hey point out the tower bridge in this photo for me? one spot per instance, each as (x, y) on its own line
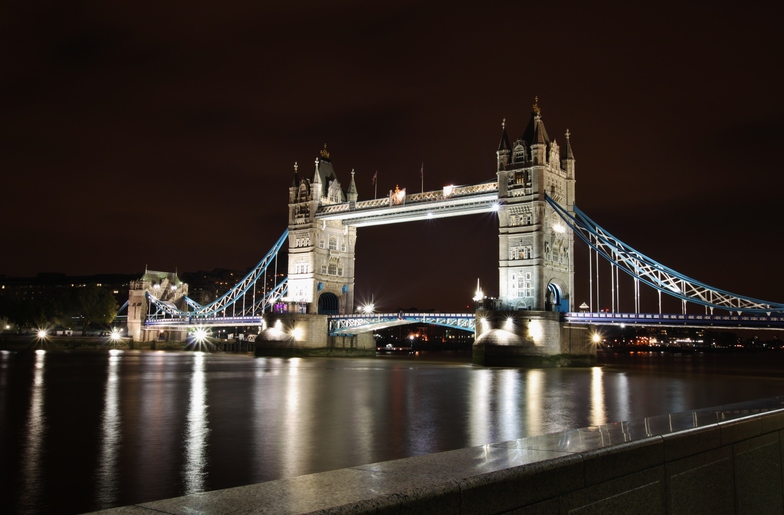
(533, 319)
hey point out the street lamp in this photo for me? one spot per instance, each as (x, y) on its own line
(114, 337)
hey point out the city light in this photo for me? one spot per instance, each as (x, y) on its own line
(297, 333)
(478, 295)
(559, 228)
(115, 335)
(200, 334)
(536, 330)
(42, 334)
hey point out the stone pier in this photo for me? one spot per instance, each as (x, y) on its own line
(530, 339)
(290, 335)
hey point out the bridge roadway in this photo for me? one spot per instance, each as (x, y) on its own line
(772, 321)
(367, 322)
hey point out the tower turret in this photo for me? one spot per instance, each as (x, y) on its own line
(568, 157)
(294, 185)
(536, 135)
(352, 189)
(504, 148)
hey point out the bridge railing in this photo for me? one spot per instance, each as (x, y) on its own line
(366, 322)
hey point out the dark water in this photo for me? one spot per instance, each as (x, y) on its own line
(81, 432)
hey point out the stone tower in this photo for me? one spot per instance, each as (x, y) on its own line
(321, 253)
(164, 286)
(535, 249)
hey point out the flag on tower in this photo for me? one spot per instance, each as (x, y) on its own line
(375, 176)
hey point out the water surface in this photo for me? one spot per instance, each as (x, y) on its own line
(86, 431)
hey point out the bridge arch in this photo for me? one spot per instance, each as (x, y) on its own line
(328, 304)
(555, 300)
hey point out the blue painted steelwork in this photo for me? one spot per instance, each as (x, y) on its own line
(363, 323)
(678, 320)
(655, 274)
(206, 321)
(192, 303)
(242, 287)
(217, 312)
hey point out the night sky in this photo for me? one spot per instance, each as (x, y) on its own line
(164, 134)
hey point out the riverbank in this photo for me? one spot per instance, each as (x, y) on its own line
(55, 343)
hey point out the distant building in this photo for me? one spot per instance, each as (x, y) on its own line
(32, 288)
(167, 288)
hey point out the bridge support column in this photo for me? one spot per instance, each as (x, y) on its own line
(291, 335)
(530, 339)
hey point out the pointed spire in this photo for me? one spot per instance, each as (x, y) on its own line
(504, 143)
(352, 189)
(295, 180)
(317, 175)
(535, 133)
(568, 150)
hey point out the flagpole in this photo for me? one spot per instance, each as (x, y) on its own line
(422, 176)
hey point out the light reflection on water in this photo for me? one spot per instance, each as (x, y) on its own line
(111, 435)
(31, 476)
(598, 415)
(159, 425)
(196, 430)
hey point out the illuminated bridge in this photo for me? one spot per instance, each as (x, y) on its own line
(245, 304)
(532, 195)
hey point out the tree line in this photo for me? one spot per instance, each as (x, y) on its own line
(83, 307)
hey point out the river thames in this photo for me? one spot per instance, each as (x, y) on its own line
(87, 431)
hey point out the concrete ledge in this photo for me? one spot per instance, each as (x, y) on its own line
(719, 460)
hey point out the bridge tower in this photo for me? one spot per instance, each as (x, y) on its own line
(321, 252)
(535, 250)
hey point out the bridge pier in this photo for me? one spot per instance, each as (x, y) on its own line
(300, 335)
(530, 339)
